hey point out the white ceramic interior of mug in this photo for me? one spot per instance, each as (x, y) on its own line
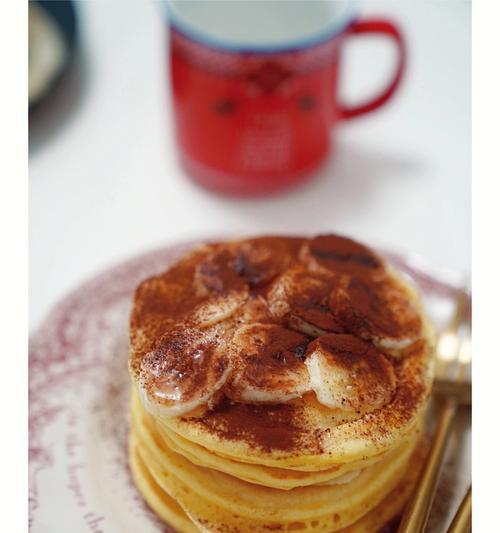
(260, 24)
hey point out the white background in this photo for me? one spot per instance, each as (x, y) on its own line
(105, 183)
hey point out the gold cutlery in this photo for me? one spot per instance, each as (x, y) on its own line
(462, 521)
(452, 389)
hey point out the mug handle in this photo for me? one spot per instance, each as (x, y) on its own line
(380, 27)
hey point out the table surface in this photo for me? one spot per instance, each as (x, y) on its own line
(105, 183)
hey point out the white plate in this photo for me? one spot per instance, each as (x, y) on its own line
(79, 479)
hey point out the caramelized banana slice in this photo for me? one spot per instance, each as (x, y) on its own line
(255, 309)
(381, 312)
(186, 368)
(339, 254)
(252, 263)
(301, 298)
(268, 364)
(349, 374)
(161, 302)
(218, 308)
(219, 273)
(262, 259)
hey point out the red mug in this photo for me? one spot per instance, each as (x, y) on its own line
(255, 87)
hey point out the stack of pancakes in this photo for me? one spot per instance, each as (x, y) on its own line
(279, 384)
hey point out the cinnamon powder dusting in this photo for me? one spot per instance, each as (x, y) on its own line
(269, 427)
(341, 254)
(369, 308)
(341, 286)
(352, 353)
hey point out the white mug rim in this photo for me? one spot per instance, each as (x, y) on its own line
(334, 28)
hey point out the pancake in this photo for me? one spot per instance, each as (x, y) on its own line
(277, 383)
(167, 508)
(226, 502)
(284, 479)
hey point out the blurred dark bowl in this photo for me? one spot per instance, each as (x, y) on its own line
(63, 14)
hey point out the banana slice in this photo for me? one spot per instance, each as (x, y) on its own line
(268, 364)
(381, 312)
(255, 309)
(252, 263)
(339, 254)
(349, 374)
(187, 367)
(219, 273)
(264, 258)
(218, 308)
(301, 298)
